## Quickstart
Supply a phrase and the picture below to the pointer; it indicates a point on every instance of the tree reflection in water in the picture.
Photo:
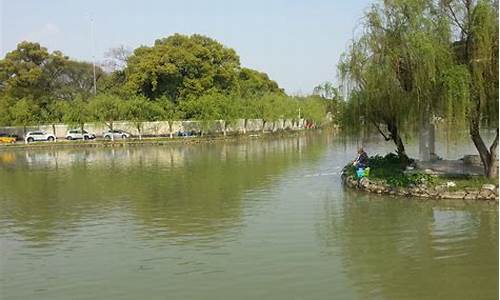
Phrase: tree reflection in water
(178, 192)
(387, 243)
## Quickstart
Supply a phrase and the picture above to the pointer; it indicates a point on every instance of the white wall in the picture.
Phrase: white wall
(161, 127)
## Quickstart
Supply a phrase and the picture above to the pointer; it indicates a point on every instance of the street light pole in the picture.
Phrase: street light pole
(93, 51)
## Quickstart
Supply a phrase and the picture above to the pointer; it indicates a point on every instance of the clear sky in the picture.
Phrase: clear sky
(298, 43)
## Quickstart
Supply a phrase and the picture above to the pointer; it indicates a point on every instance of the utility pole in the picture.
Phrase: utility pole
(93, 51)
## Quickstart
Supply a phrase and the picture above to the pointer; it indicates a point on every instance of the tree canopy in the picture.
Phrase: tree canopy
(31, 71)
(180, 76)
(180, 67)
(476, 51)
(406, 68)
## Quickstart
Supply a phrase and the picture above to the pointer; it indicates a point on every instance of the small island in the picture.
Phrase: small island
(440, 179)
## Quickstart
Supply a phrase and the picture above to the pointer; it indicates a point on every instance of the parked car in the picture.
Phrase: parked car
(78, 134)
(40, 135)
(7, 138)
(187, 133)
(116, 134)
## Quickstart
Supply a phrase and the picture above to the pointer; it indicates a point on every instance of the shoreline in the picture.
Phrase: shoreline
(487, 192)
(155, 141)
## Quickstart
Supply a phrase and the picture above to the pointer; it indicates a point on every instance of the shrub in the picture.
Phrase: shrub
(391, 169)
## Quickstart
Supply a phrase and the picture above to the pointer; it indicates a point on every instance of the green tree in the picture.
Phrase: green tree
(253, 83)
(5, 104)
(326, 90)
(180, 67)
(246, 109)
(166, 110)
(475, 81)
(138, 110)
(76, 78)
(77, 113)
(107, 109)
(290, 110)
(31, 71)
(22, 71)
(53, 113)
(226, 110)
(265, 109)
(24, 112)
(314, 110)
(395, 71)
(329, 92)
(203, 109)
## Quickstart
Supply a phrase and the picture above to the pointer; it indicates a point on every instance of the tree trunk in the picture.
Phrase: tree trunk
(488, 157)
(396, 138)
(263, 126)
(245, 126)
(170, 130)
(112, 133)
(493, 169)
(54, 129)
(224, 128)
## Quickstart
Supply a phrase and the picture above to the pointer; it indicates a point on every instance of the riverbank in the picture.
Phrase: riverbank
(389, 176)
(152, 140)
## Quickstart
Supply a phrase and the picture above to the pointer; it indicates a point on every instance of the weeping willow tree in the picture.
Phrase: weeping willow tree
(395, 72)
(476, 48)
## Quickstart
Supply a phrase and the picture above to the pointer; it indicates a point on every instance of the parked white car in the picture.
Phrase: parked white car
(115, 134)
(78, 134)
(34, 136)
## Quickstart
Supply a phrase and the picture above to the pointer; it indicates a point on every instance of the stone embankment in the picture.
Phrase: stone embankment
(487, 192)
(163, 128)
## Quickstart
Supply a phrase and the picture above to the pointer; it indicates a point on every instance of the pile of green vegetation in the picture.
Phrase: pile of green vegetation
(390, 168)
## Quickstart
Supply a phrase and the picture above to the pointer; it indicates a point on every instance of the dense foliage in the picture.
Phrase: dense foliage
(418, 60)
(179, 77)
(390, 168)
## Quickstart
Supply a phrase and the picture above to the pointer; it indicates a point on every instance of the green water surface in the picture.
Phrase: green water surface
(255, 219)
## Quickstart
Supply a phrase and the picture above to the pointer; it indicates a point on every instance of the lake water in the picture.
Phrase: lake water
(254, 219)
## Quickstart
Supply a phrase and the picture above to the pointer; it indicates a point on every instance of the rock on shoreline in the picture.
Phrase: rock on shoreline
(488, 192)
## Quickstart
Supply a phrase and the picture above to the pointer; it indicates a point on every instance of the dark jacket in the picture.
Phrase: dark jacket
(362, 160)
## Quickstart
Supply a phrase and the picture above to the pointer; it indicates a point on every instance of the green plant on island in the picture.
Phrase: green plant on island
(391, 170)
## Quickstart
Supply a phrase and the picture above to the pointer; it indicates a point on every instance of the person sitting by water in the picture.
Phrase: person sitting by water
(362, 160)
